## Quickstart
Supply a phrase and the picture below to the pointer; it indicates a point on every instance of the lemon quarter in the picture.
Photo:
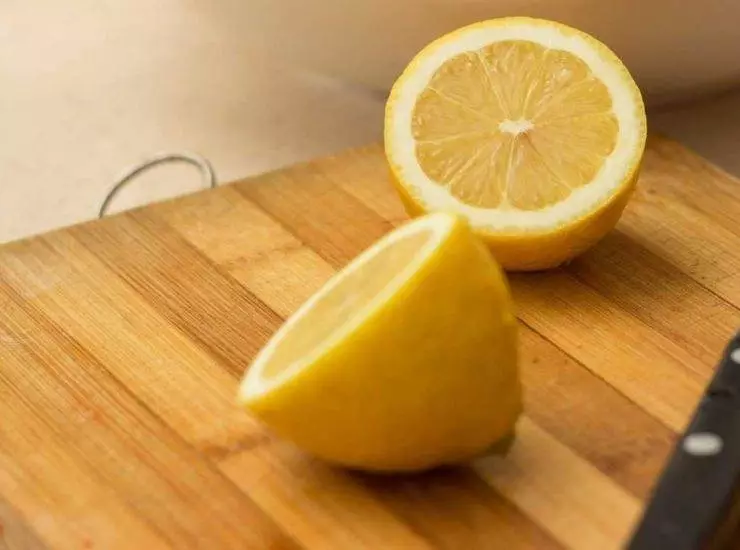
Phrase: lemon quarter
(405, 360)
(532, 130)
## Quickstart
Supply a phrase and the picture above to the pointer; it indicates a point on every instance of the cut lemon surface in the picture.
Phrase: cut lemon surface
(532, 130)
(405, 360)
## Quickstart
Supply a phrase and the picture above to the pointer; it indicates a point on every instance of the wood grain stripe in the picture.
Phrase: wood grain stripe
(644, 365)
(184, 286)
(543, 477)
(325, 218)
(655, 292)
(589, 416)
(173, 376)
(686, 210)
(107, 431)
(454, 508)
(316, 503)
(224, 226)
(674, 173)
(686, 238)
(366, 164)
(39, 471)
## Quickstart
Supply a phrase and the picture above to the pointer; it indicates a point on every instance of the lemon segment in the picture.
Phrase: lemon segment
(530, 129)
(405, 360)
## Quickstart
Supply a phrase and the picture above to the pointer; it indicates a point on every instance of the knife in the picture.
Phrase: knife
(695, 504)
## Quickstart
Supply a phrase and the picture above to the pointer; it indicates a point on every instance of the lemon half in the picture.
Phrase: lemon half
(405, 360)
(532, 130)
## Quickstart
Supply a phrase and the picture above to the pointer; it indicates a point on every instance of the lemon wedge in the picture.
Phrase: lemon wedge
(532, 130)
(404, 360)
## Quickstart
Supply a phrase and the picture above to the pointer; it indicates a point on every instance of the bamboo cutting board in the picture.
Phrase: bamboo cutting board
(122, 343)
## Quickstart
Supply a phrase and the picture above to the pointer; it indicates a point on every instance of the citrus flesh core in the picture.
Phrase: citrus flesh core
(403, 361)
(513, 125)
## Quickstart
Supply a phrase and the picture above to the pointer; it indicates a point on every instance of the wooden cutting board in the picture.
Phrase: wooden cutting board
(122, 343)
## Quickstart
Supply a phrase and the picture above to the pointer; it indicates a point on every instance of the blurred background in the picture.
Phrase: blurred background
(90, 87)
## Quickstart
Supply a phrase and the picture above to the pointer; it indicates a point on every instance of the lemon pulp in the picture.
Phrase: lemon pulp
(346, 300)
(496, 126)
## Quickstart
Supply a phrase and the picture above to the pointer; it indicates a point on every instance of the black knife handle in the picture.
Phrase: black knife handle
(694, 505)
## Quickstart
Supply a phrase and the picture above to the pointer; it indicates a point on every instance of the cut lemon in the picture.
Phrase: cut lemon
(532, 130)
(405, 360)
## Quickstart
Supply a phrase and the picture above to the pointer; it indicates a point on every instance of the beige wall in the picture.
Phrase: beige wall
(91, 86)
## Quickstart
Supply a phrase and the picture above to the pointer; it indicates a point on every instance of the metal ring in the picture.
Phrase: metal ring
(205, 168)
